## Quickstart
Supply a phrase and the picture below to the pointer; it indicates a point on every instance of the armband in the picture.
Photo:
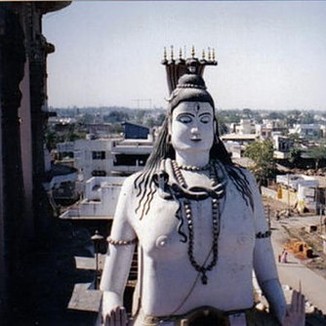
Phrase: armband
(261, 235)
(121, 242)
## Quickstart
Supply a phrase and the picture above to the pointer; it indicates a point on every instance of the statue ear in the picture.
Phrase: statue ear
(169, 126)
(215, 126)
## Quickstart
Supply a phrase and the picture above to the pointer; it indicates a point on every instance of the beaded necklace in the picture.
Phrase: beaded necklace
(194, 168)
(203, 269)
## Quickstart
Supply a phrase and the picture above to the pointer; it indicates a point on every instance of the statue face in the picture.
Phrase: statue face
(192, 127)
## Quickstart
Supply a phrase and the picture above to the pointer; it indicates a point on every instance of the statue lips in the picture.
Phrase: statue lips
(195, 139)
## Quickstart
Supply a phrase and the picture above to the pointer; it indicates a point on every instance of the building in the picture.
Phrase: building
(133, 131)
(99, 202)
(282, 146)
(306, 131)
(106, 157)
(298, 190)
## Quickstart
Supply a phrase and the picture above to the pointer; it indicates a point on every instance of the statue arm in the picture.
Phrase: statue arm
(264, 259)
(119, 255)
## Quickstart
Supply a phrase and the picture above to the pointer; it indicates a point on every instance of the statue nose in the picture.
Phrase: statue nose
(194, 131)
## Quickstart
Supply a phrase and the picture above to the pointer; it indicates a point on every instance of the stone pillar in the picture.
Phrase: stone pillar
(2, 239)
(12, 58)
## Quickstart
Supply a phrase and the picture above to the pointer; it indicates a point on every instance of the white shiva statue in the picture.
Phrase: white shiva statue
(199, 223)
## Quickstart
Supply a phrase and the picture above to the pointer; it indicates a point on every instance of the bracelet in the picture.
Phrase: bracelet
(121, 242)
(261, 235)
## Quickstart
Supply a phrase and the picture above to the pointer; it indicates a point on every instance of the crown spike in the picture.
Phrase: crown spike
(164, 53)
(183, 63)
(193, 51)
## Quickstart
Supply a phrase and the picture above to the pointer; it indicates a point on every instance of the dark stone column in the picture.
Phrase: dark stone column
(12, 59)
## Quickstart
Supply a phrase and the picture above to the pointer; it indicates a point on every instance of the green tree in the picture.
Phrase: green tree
(116, 116)
(160, 119)
(51, 139)
(318, 154)
(149, 122)
(294, 155)
(261, 152)
(222, 127)
(276, 115)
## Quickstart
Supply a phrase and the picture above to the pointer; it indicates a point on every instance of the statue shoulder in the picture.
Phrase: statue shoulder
(130, 182)
(242, 171)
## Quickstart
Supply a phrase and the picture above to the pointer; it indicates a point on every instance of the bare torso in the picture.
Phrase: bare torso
(170, 284)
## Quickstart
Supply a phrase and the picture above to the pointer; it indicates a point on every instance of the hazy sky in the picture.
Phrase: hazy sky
(271, 54)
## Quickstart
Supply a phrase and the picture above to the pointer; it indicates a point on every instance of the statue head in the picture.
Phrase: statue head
(190, 92)
(191, 116)
(190, 88)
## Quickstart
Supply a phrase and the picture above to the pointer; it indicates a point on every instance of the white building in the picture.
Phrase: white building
(282, 146)
(306, 130)
(100, 200)
(245, 127)
(106, 157)
(305, 188)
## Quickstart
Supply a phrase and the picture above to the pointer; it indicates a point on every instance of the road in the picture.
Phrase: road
(295, 272)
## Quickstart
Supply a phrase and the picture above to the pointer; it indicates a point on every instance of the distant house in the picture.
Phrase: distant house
(299, 190)
(306, 130)
(282, 146)
(134, 131)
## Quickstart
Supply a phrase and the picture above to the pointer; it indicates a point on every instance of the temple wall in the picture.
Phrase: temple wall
(26, 149)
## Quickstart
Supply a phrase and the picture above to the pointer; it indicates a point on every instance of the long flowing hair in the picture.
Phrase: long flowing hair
(163, 149)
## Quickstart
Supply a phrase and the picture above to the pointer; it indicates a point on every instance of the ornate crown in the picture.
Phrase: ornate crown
(175, 68)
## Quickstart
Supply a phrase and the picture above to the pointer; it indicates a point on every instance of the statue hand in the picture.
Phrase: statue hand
(295, 313)
(116, 317)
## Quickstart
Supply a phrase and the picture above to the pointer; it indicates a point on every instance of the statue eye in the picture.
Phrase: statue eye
(205, 118)
(184, 118)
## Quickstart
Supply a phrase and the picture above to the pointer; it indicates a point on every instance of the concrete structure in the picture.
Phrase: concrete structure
(99, 202)
(133, 131)
(234, 148)
(242, 139)
(245, 127)
(282, 146)
(269, 128)
(105, 157)
(305, 189)
(60, 184)
(306, 131)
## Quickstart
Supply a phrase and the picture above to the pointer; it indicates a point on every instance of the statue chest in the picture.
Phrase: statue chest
(164, 233)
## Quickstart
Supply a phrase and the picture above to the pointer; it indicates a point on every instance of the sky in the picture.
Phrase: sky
(271, 54)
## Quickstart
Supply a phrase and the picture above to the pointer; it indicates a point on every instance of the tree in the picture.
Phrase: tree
(294, 155)
(318, 154)
(222, 127)
(116, 117)
(262, 153)
(276, 115)
(51, 139)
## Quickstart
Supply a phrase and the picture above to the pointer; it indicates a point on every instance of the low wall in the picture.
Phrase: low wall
(288, 197)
